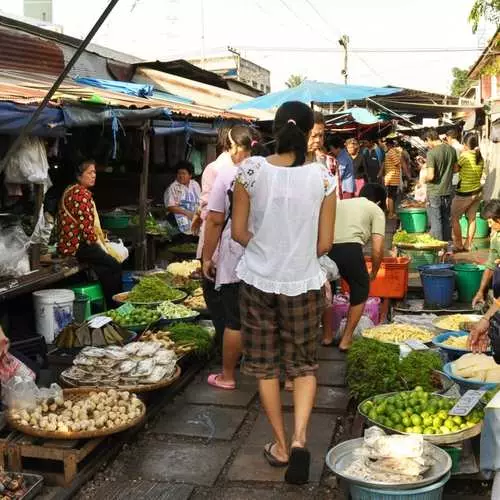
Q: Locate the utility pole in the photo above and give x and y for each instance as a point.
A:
(344, 42)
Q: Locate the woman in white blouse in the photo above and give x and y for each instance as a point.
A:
(284, 214)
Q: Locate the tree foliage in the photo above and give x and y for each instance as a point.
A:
(294, 81)
(461, 82)
(489, 10)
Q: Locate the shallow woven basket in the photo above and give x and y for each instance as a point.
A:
(131, 388)
(76, 395)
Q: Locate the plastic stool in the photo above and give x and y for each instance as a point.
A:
(95, 294)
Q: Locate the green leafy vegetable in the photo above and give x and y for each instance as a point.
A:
(152, 289)
(425, 239)
(375, 368)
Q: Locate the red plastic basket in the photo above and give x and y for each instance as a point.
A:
(391, 281)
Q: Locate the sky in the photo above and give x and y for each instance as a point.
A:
(263, 29)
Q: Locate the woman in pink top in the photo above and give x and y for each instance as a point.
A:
(222, 267)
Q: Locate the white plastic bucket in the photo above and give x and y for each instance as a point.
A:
(53, 311)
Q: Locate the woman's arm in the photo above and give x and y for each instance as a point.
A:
(326, 224)
(213, 230)
(241, 212)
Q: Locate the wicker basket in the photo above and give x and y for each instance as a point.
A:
(76, 395)
(131, 388)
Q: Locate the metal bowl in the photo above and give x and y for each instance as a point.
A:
(342, 455)
(439, 439)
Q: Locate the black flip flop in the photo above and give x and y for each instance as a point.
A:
(271, 459)
(298, 468)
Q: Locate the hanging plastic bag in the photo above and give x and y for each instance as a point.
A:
(117, 250)
(29, 163)
(329, 267)
(21, 393)
(43, 229)
(14, 258)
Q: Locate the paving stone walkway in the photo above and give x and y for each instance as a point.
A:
(208, 444)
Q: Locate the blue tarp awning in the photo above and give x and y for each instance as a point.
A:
(359, 115)
(311, 91)
(14, 117)
(160, 94)
(134, 89)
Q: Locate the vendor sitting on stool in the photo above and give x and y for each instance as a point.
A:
(182, 198)
(80, 232)
(357, 220)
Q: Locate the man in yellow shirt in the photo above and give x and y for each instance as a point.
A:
(357, 221)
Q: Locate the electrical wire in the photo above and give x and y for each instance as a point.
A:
(363, 50)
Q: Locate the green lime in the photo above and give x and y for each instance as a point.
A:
(417, 429)
(427, 421)
(445, 430)
(458, 420)
(437, 422)
(416, 420)
(443, 414)
(419, 388)
(409, 430)
(428, 430)
(395, 418)
(406, 421)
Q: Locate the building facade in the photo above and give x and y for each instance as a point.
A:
(233, 67)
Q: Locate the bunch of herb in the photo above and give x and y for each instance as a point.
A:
(375, 368)
(191, 335)
(416, 369)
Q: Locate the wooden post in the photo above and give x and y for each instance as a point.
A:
(35, 248)
(141, 250)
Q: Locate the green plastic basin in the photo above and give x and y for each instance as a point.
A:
(482, 229)
(413, 220)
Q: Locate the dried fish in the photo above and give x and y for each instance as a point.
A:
(165, 357)
(126, 366)
(158, 373)
(144, 368)
(148, 348)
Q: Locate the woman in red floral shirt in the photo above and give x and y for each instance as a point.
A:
(80, 234)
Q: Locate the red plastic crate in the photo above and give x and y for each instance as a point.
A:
(392, 278)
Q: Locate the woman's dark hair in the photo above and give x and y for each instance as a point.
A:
(247, 138)
(375, 193)
(491, 210)
(472, 142)
(334, 141)
(292, 124)
(221, 145)
(80, 169)
(185, 165)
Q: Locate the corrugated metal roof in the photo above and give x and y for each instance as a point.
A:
(24, 88)
(22, 51)
(200, 93)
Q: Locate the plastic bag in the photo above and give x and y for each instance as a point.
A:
(14, 258)
(364, 323)
(29, 164)
(379, 445)
(329, 267)
(10, 367)
(43, 229)
(22, 393)
(117, 250)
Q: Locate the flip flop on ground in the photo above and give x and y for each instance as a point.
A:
(271, 459)
(215, 380)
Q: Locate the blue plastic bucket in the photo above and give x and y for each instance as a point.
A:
(431, 492)
(434, 267)
(128, 281)
(438, 287)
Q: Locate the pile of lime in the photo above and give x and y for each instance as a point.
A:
(419, 412)
(137, 316)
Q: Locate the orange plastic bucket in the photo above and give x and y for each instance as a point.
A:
(392, 278)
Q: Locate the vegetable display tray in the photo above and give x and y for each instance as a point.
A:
(122, 298)
(131, 388)
(468, 318)
(439, 439)
(452, 352)
(340, 457)
(76, 395)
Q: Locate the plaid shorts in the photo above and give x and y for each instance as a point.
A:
(278, 329)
